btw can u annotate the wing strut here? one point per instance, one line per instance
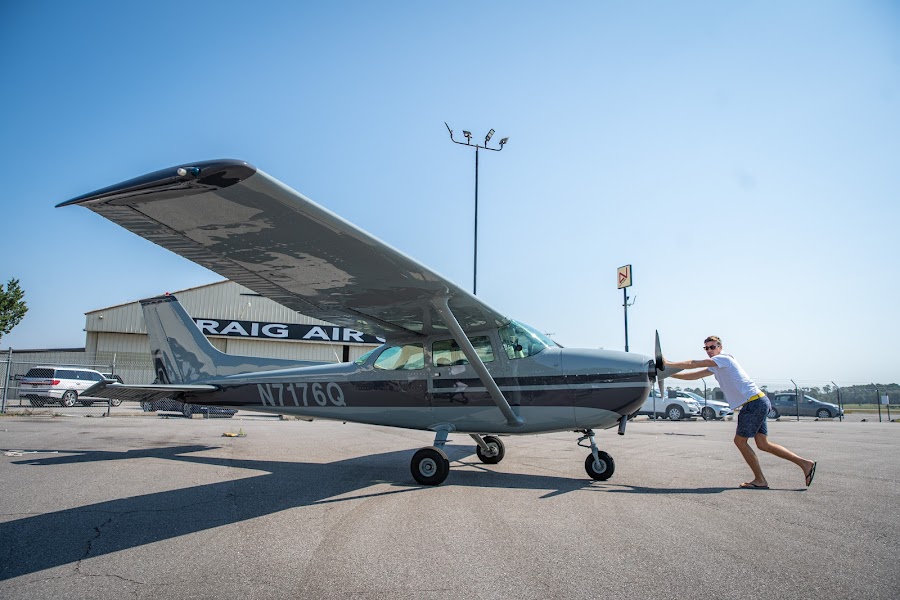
(443, 308)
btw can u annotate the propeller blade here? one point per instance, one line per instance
(658, 355)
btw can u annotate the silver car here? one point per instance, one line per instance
(709, 409)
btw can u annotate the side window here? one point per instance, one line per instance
(66, 374)
(448, 352)
(406, 357)
(95, 376)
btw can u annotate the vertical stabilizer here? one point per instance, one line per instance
(182, 354)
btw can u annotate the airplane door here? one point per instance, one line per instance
(453, 383)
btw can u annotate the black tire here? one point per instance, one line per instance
(69, 398)
(115, 402)
(495, 444)
(187, 410)
(601, 471)
(773, 413)
(674, 413)
(708, 413)
(823, 413)
(430, 466)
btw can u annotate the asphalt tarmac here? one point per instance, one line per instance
(169, 508)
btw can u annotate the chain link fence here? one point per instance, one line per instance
(59, 365)
(806, 399)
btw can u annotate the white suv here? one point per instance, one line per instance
(673, 407)
(45, 385)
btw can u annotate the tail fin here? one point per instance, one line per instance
(182, 354)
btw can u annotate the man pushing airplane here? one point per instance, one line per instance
(741, 392)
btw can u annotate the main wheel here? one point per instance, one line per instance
(69, 398)
(430, 466)
(187, 410)
(823, 413)
(115, 402)
(602, 469)
(675, 413)
(707, 413)
(497, 450)
(774, 414)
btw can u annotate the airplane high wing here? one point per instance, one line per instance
(241, 223)
(452, 363)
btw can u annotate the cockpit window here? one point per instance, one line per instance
(448, 352)
(520, 340)
(407, 357)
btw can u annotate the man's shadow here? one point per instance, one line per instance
(53, 539)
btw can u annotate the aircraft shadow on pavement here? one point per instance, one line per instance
(53, 539)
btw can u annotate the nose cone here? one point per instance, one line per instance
(606, 384)
(609, 364)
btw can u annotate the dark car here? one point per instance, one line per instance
(169, 405)
(785, 404)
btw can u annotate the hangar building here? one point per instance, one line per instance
(235, 319)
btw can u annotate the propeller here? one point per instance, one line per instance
(659, 363)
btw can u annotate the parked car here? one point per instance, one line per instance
(62, 385)
(112, 376)
(673, 407)
(169, 405)
(709, 409)
(785, 404)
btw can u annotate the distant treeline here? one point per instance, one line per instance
(854, 394)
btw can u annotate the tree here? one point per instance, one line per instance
(12, 307)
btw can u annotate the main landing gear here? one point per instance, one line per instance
(430, 466)
(598, 464)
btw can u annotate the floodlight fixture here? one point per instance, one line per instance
(468, 143)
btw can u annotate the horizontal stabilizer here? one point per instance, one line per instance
(143, 393)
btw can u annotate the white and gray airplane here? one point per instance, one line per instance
(451, 363)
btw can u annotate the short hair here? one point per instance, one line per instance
(713, 338)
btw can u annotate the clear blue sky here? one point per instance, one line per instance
(744, 157)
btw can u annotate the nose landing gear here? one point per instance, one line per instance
(598, 464)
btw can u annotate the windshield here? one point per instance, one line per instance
(362, 359)
(520, 340)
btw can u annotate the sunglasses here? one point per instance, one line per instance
(710, 347)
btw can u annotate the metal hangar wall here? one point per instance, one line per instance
(234, 319)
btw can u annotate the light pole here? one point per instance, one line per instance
(468, 142)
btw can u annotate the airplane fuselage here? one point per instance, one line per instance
(555, 390)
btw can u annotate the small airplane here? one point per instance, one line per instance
(451, 363)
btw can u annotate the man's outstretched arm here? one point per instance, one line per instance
(691, 364)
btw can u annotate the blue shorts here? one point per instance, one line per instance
(752, 418)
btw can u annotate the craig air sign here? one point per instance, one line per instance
(285, 331)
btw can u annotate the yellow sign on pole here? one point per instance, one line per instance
(624, 276)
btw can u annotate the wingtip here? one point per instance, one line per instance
(217, 173)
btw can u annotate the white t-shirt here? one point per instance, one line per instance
(735, 384)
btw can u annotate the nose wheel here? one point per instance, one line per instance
(489, 449)
(598, 464)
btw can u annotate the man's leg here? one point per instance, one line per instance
(763, 443)
(743, 444)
